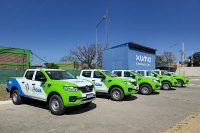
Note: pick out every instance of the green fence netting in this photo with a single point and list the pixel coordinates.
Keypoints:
(5, 74)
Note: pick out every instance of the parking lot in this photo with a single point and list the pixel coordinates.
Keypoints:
(136, 114)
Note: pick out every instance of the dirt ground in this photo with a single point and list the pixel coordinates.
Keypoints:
(3, 93)
(189, 125)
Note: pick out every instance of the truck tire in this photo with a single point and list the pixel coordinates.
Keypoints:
(116, 94)
(16, 98)
(180, 83)
(166, 85)
(56, 105)
(145, 89)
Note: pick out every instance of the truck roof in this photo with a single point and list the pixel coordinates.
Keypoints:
(46, 69)
(122, 70)
(93, 70)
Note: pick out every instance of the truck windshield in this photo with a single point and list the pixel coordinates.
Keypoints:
(110, 74)
(165, 73)
(59, 75)
(151, 73)
(136, 73)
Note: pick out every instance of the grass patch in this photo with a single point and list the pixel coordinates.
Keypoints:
(4, 95)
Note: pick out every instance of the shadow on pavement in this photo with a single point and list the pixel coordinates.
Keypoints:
(103, 96)
(182, 87)
(106, 96)
(130, 98)
(35, 103)
(172, 89)
(153, 93)
(80, 109)
(69, 110)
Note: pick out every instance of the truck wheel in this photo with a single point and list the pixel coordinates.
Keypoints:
(116, 94)
(166, 86)
(56, 105)
(16, 98)
(180, 83)
(145, 89)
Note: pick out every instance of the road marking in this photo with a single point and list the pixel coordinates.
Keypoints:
(5, 102)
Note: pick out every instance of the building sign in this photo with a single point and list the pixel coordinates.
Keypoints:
(142, 60)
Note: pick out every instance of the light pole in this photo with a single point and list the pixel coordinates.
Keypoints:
(96, 56)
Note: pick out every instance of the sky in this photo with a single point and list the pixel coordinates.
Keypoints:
(51, 28)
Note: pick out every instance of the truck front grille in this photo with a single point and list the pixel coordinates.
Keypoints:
(86, 89)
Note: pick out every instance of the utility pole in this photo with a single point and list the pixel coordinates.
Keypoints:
(106, 27)
(102, 19)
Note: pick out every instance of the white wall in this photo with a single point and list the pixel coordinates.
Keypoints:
(189, 71)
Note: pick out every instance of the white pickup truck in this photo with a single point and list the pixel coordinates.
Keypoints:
(106, 82)
(56, 87)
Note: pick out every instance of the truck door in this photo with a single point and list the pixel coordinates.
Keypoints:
(38, 85)
(99, 81)
(26, 83)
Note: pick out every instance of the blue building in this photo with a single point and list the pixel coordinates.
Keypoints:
(129, 56)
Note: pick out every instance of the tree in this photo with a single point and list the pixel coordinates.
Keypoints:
(68, 58)
(85, 55)
(159, 61)
(196, 60)
(52, 66)
(168, 58)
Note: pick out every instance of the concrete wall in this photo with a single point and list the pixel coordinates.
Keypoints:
(189, 71)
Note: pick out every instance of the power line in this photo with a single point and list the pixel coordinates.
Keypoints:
(39, 57)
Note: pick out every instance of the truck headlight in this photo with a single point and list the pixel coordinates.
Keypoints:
(154, 80)
(67, 88)
(127, 83)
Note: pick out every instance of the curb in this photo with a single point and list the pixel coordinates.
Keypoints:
(5, 102)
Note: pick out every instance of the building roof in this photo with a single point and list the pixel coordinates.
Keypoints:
(136, 46)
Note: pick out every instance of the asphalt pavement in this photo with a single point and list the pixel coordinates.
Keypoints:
(136, 114)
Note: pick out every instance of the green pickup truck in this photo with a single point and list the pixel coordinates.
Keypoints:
(146, 84)
(167, 81)
(182, 80)
(106, 82)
